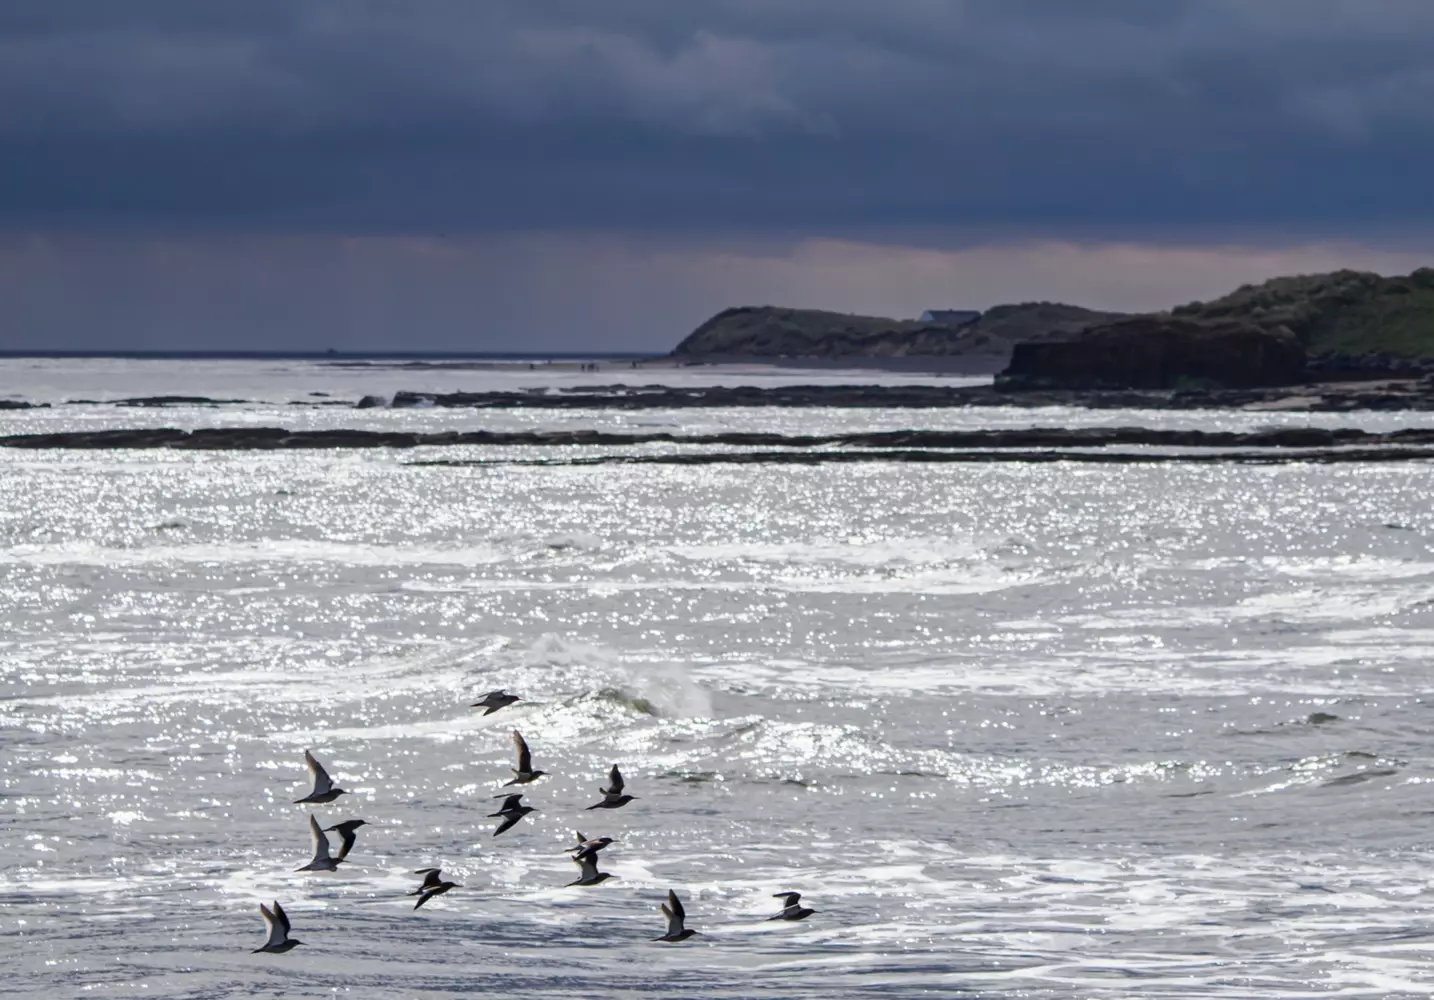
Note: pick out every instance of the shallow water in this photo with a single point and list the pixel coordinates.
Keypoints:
(1014, 731)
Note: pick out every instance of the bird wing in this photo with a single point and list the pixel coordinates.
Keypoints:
(323, 784)
(278, 924)
(614, 778)
(676, 915)
(282, 917)
(582, 841)
(588, 865)
(321, 843)
(510, 802)
(432, 878)
(508, 822)
(525, 758)
(788, 898)
(349, 836)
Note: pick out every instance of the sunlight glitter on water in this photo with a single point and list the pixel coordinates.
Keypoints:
(1022, 731)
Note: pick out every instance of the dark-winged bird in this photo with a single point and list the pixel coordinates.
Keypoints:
(585, 846)
(322, 862)
(324, 790)
(589, 874)
(791, 907)
(433, 885)
(278, 921)
(345, 830)
(495, 700)
(676, 918)
(612, 795)
(511, 812)
(523, 773)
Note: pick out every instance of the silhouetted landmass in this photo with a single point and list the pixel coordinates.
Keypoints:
(1343, 312)
(1354, 322)
(778, 331)
(1159, 352)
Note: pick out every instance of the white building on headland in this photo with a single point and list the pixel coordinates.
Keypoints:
(955, 317)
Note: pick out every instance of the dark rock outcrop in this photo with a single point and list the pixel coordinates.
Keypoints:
(1326, 457)
(1407, 394)
(20, 404)
(271, 438)
(1151, 352)
(371, 402)
(176, 401)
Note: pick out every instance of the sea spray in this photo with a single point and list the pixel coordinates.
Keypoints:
(554, 669)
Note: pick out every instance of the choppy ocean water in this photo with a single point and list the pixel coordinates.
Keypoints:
(1014, 731)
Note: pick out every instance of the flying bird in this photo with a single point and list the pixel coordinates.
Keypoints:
(278, 921)
(524, 772)
(346, 831)
(584, 846)
(495, 700)
(791, 907)
(511, 812)
(324, 790)
(676, 918)
(589, 874)
(612, 795)
(433, 885)
(322, 862)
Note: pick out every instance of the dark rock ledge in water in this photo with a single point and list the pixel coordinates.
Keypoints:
(275, 438)
(1322, 456)
(1393, 394)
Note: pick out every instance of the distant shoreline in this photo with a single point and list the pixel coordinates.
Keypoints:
(975, 366)
(338, 356)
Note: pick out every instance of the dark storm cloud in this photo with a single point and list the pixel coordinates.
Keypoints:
(1040, 116)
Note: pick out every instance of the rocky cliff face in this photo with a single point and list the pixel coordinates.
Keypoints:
(1151, 352)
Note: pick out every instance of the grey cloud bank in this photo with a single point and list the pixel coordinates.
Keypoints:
(970, 124)
(1039, 115)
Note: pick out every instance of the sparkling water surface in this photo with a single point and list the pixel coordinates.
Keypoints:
(1013, 730)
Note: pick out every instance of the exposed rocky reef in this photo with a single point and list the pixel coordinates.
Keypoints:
(1401, 394)
(1365, 393)
(1323, 457)
(276, 438)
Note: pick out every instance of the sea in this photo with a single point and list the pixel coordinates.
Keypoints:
(1049, 730)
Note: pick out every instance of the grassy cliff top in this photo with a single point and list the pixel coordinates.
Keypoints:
(779, 330)
(1353, 312)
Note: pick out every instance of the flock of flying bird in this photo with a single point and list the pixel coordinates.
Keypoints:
(584, 852)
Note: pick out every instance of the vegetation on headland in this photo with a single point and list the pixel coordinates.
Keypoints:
(779, 331)
(1348, 312)
(1343, 312)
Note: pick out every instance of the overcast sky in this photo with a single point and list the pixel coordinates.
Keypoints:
(572, 174)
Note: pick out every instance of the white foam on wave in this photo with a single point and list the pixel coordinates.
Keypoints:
(855, 551)
(556, 668)
(859, 565)
(249, 553)
(1337, 603)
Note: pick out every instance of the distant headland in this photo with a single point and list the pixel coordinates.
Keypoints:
(1344, 323)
